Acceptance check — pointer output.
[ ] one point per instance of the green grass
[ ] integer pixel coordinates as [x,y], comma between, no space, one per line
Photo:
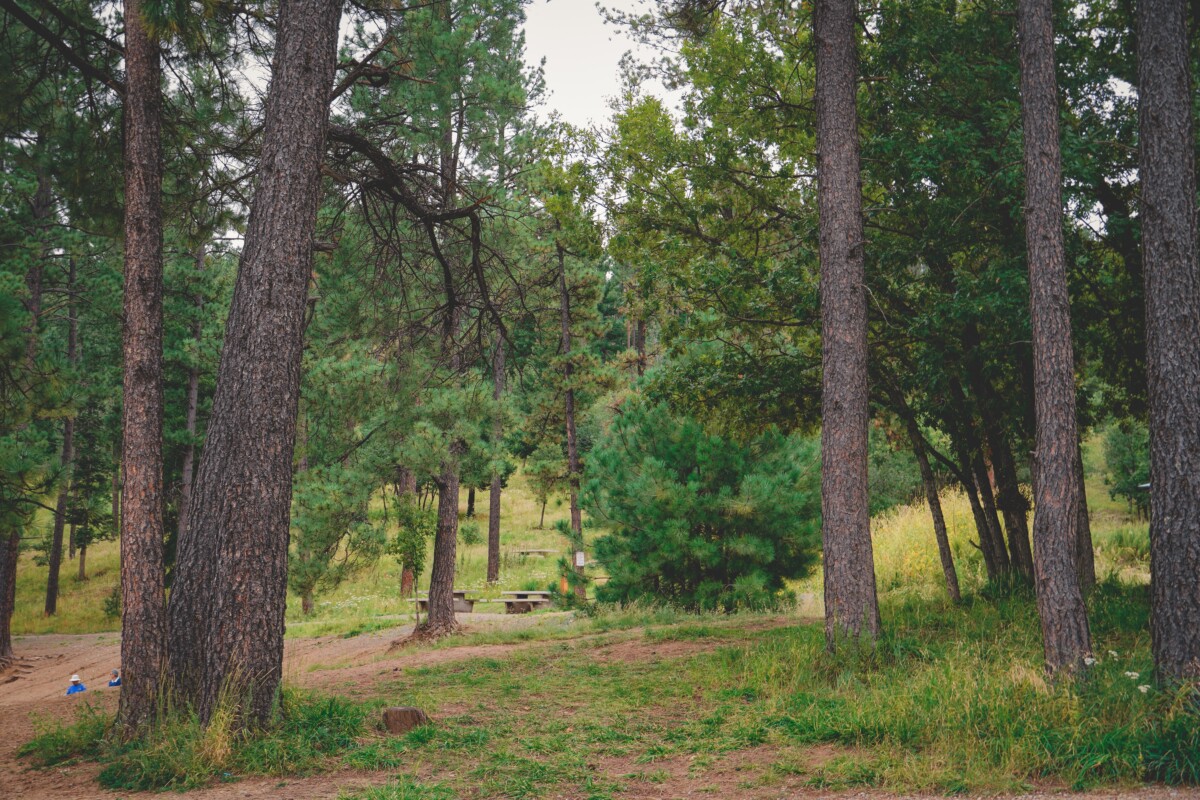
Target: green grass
[953,699]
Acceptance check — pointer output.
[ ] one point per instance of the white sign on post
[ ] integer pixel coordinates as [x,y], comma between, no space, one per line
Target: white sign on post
[580,559]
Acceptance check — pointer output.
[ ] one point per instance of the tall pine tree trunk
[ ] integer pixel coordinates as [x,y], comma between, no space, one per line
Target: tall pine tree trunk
[1168,173]
[229,594]
[498,377]
[143,619]
[67,457]
[1065,635]
[851,606]
[193,403]
[569,415]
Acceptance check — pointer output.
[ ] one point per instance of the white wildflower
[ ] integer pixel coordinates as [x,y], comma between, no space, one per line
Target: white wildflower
[1145,687]
[1133,676]
[1089,661]
[1112,653]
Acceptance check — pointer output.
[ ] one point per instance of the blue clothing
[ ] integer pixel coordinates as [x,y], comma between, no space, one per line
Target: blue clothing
[76,688]
[115,682]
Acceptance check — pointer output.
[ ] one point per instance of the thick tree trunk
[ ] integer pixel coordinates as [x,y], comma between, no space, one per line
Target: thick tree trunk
[569,414]
[66,459]
[193,403]
[498,379]
[440,620]
[1168,173]
[143,620]
[229,594]
[1065,634]
[851,606]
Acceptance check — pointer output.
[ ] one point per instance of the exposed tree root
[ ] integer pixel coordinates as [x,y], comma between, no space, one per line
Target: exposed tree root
[425,633]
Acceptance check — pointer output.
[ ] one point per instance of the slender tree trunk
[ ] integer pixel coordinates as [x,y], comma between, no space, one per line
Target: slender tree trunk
[983,487]
[1065,635]
[851,606]
[470,502]
[1085,554]
[116,488]
[498,379]
[143,621]
[929,483]
[639,345]
[66,459]
[542,518]
[1168,173]
[406,491]
[569,414]
[82,576]
[1009,500]
[193,403]
[229,594]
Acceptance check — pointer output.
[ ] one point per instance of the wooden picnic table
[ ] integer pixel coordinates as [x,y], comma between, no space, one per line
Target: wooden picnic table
[536,552]
[526,595]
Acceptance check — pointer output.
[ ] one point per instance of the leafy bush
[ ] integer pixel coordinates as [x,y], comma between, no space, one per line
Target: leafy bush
[698,520]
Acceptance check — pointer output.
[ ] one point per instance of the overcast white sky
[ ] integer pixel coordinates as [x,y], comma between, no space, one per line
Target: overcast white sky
[581,52]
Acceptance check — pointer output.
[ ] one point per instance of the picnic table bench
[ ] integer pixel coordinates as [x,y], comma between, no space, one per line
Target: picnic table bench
[536,552]
[462,604]
[523,605]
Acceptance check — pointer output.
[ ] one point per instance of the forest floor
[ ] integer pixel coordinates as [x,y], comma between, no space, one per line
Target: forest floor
[581,711]
[650,702]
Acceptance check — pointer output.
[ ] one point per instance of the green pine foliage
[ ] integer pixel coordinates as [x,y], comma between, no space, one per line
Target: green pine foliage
[1127,459]
[698,520]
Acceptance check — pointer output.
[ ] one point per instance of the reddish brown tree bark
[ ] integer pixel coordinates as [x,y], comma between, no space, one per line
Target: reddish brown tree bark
[1168,174]
[143,620]
[228,599]
[851,606]
[1065,635]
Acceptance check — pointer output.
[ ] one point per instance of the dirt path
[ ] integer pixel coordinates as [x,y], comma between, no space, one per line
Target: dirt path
[34,690]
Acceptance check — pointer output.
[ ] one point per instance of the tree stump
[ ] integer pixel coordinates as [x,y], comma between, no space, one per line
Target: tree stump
[402,719]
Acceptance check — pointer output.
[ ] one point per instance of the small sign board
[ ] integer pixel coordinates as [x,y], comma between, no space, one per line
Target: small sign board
[580,559]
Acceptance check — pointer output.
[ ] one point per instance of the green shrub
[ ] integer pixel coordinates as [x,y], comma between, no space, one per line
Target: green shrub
[1127,459]
[698,520]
